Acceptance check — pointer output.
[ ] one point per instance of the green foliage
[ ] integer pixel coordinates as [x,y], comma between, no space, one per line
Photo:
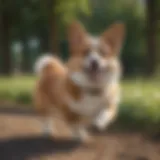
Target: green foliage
[23,97]
[35,13]
[25,16]
[69,9]
[140,105]
[16,89]
[132,13]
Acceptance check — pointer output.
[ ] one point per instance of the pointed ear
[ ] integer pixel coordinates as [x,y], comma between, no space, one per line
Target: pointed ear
[114,37]
[76,36]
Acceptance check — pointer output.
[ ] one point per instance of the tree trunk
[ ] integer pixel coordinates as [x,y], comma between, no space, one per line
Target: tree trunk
[151,37]
[26,68]
[5,43]
[43,44]
[53,28]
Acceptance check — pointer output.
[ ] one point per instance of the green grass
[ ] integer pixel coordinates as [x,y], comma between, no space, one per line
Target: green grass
[17,89]
[140,106]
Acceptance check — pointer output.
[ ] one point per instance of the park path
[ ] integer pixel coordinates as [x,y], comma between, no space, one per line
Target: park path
[21,139]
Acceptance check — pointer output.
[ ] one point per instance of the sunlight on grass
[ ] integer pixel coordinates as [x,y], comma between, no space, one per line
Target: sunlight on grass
[140,104]
[18,89]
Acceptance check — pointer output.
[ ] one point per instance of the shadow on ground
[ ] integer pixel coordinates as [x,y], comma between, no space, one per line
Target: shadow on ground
[27,147]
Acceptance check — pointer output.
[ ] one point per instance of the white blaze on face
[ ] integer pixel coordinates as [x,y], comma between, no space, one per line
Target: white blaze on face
[80,78]
[94,54]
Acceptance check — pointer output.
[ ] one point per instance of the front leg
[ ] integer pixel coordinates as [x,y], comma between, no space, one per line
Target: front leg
[105,117]
[80,132]
[48,126]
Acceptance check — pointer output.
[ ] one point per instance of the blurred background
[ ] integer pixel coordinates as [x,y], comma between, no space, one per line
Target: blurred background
[33,27]
[30,28]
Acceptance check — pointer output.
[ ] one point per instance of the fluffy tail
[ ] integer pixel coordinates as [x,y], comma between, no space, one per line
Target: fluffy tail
[48,63]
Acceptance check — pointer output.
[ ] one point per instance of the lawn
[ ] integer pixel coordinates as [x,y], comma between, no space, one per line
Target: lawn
[17,89]
[140,106]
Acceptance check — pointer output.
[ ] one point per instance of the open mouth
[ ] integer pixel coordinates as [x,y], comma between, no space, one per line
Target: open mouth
[94,75]
[94,72]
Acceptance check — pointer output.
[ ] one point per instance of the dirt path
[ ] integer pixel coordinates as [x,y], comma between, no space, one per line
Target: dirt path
[21,139]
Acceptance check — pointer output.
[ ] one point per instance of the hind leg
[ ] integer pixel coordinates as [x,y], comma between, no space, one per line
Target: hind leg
[45,121]
[47,126]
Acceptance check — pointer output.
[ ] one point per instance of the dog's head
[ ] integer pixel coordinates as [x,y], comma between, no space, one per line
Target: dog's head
[93,58]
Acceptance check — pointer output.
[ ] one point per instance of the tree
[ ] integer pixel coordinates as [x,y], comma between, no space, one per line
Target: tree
[10,12]
[5,23]
[151,37]
[63,11]
[131,13]
[47,15]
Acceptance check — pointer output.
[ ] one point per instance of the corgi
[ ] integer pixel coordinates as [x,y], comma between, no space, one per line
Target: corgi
[85,90]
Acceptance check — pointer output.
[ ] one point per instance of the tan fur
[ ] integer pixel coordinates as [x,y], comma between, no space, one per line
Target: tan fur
[55,85]
[51,89]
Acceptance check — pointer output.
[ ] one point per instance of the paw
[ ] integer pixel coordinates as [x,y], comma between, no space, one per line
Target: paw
[47,131]
[82,135]
[47,134]
[101,121]
[100,125]
[86,140]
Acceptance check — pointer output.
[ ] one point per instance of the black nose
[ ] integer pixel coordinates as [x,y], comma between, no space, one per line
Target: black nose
[94,65]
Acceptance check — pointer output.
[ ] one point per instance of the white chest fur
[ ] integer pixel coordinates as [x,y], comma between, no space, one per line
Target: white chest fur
[88,105]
